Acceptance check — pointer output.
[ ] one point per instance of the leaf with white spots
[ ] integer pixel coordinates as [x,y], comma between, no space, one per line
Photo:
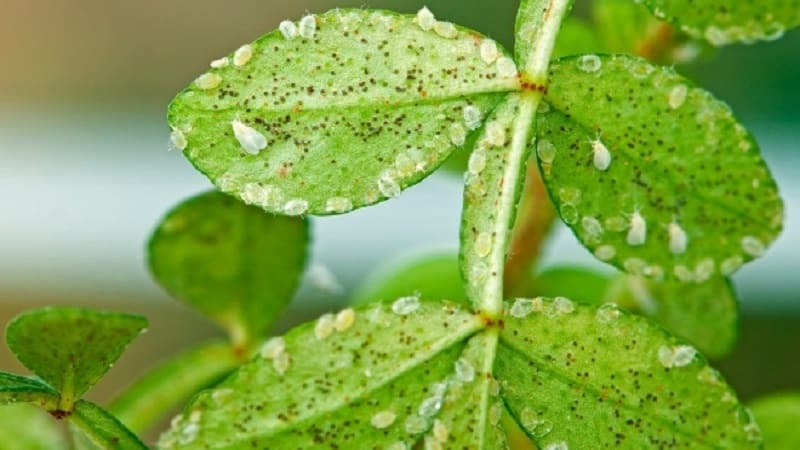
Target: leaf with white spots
[233,262]
[376,376]
[723,22]
[685,194]
[586,377]
[339,111]
[778,415]
[71,348]
[705,314]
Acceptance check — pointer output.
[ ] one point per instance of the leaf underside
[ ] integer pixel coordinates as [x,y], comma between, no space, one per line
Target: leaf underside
[71,348]
[594,378]
[723,22]
[233,262]
[369,97]
[676,156]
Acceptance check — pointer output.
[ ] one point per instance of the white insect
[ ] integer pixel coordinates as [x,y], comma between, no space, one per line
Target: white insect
[677,238]
[637,233]
[242,55]
[602,157]
[249,138]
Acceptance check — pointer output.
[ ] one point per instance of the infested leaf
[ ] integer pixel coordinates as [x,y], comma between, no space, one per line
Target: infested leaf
[652,174]
[723,22]
[586,377]
[71,348]
[529,24]
[234,263]
[339,111]
[375,376]
[778,415]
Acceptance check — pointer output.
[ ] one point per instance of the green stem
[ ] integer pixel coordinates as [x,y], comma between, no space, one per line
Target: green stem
[173,382]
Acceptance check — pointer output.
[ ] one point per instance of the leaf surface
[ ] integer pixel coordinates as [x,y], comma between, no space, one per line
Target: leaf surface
[236,264]
[28,427]
[71,348]
[723,22]
[338,111]
[652,174]
[375,376]
[778,415]
[587,377]
[103,429]
[19,389]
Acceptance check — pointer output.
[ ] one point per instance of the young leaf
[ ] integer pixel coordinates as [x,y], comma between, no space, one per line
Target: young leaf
[343,110]
[374,377]
[19,389]
[723,22]
[172,383]
[71,348]
[653,174]
[26,427]
[103,429]
[778,416]
[705,314]
[234,263]
[585,377]
[432,277]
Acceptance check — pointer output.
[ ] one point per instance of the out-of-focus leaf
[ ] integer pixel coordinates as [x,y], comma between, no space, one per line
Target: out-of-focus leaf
[583,285]
[71,348]
[103,429]
[585,377]
[577,37]
[339,111]
[654,175]
[779,417]
[27,427]
[233,262]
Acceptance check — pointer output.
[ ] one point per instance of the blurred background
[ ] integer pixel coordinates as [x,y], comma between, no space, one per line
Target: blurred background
[85,171]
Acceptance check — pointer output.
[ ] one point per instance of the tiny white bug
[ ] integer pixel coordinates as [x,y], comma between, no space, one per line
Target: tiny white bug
[677,238]
[637,234]
[602,157]
[250,139]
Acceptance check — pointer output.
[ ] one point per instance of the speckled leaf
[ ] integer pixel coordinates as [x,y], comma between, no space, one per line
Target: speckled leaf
[599,378]
[71,348]
[778,415]
[528,26]
[723,22]
[103,429]
[365,378]
[492,179]
[233,262]
[653,174]
[705,314]
[342,110]
[19,389]
[432,277]
[26,427]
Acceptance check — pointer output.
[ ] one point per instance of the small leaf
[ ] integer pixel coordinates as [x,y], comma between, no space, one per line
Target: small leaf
[723,22]
[705,314]
[432,277]
[103,429]
[71,348]
[26,427]
[19,389]
[653,175]
[577,283]
[600,378]
[366,378]
[778,416]
[172,383]
[234,263]
[344,110]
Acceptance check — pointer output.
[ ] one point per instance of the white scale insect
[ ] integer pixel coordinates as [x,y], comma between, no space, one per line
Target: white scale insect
[637,234]
[602,157]
[677,238]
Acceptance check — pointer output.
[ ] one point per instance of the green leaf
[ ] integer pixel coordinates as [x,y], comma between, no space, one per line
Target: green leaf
[778,416]
[26,427]
[343,110]
[71,348]
[576,37]
[173,383]
[577,283]
[432,277]
[234,263]
[374,377]
[705,314]
[652,174]
[19,389]
[723,22]
[103,429]
[600,378]
[530,23]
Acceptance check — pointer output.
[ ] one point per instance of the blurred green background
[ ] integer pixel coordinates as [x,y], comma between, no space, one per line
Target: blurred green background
[85,172]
